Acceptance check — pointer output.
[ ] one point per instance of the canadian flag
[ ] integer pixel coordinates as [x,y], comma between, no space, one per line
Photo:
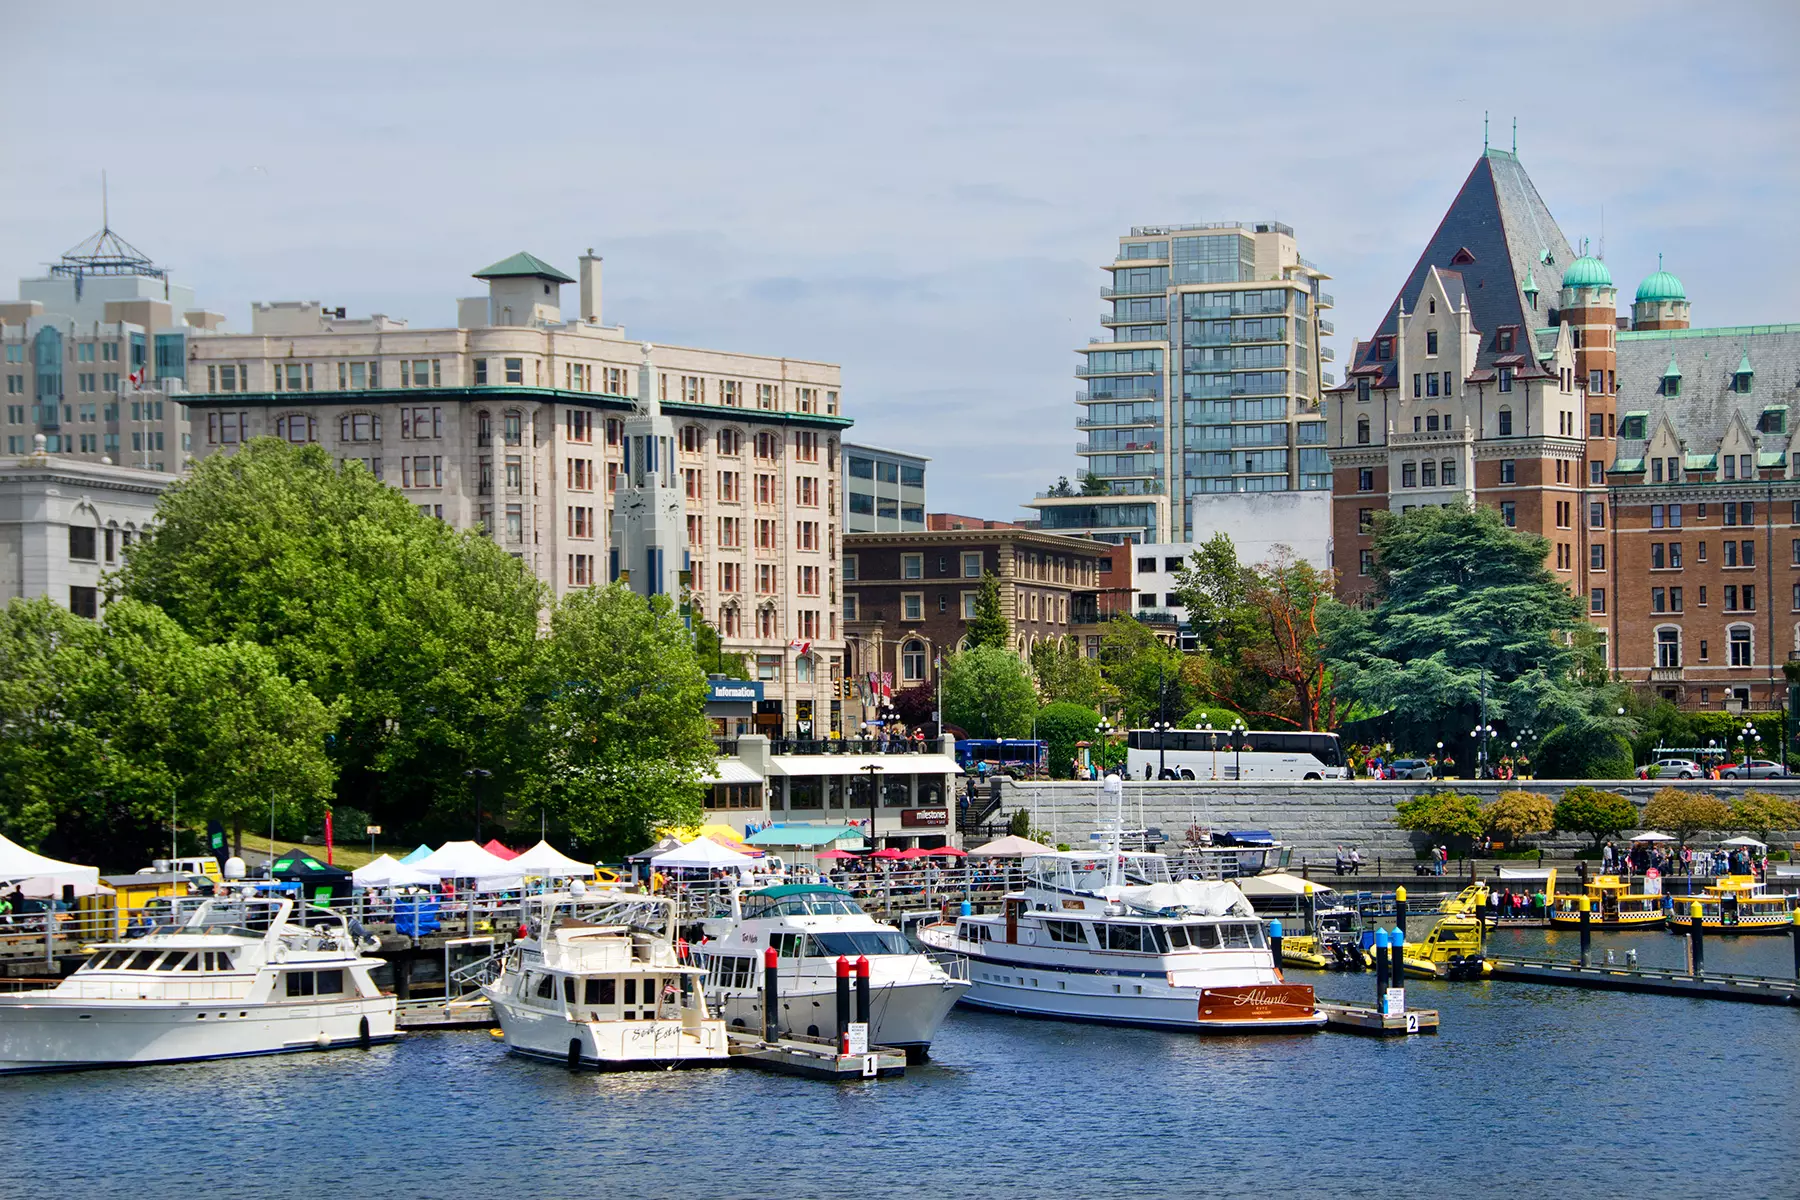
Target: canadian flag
[802,647]
[137,379]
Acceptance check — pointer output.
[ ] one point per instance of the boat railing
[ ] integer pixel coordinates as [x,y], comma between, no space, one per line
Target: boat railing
[483,971]
[159,988]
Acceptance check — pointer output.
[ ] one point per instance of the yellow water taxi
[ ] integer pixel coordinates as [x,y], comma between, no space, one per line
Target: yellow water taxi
[1453,948]
[1611,903]
[1734,904]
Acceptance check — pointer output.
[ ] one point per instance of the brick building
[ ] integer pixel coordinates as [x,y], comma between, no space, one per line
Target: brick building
[1504,375]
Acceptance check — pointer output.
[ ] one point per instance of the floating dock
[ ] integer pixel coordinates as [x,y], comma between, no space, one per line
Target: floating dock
[815,1060]
[1708,985]
[471,1013]
[1351,1018]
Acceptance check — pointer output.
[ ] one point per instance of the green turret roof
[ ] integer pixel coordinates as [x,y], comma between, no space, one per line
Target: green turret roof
[1531,287]
[1660,286]
[1587,272]
[526,265]
[1673,370]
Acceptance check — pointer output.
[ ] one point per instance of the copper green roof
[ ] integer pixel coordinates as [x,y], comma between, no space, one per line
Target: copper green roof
[1587,271]
[1659,287]
[1744,364]
[1673,371]
[1531,287]
[523,264]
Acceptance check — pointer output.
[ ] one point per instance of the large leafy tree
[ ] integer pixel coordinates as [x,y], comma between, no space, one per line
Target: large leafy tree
[1465,606]
[1597,813]
[620,734]
[1762,813]
[988,627]
[1517,814]
[1685,813]
[420,638]
[116,729]
[1065,675]
[1449,815]
[1064,726]
[1147,673]
[987,693]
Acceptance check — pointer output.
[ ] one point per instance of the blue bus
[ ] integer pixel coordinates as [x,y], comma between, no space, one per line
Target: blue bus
[1003,754]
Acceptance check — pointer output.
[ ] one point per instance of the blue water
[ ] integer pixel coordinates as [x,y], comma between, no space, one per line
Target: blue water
[1527,1090]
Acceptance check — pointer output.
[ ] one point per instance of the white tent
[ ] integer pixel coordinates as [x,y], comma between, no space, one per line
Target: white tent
[466,860]
[1010,846]
[546,861]
[1749,842]
[47,887]
[1277,883]
[16,862]
[1652,836]
[700,854]
[387,871]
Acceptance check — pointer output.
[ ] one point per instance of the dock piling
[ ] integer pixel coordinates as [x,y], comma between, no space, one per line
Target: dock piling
[771,996]
[1587,934]
[843,1004]
[1697,956]
[1797,943]
[1275,942]
[1400,909]
[864,1009]
[1397,971]
[1381,969]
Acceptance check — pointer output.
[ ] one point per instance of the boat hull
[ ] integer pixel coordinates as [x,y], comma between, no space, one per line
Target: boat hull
[1712,924]
[1643,920]
[39,1035]
[608,1045]
[1039,991]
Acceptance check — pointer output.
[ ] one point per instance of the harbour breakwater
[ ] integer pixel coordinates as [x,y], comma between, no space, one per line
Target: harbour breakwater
[1317,817]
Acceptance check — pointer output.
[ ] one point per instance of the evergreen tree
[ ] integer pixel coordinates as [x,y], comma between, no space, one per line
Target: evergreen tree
[988,627]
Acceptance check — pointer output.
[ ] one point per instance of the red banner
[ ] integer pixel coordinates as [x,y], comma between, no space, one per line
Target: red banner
[328,837]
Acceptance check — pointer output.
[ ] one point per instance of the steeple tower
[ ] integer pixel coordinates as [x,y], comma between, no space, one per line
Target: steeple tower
[647,536]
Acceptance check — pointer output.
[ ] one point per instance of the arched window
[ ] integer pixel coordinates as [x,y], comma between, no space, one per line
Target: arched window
[1742,648]
[298,428]
[768,445]
[912,661]
[359,427]
[693,439]
[1668,646]
[514,427]
[1504,416]
[1362,431]
[731,442]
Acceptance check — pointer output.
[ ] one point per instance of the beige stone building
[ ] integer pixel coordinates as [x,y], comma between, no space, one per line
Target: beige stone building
[512,421]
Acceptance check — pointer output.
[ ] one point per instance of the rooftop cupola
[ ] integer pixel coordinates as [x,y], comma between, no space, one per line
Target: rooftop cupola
[524,290]
[1661,302]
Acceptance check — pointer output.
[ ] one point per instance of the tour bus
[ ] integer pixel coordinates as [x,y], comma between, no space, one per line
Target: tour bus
[1216,754]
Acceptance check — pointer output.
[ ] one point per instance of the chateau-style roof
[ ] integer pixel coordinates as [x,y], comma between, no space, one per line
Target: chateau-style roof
[1707,362]
[1495,236]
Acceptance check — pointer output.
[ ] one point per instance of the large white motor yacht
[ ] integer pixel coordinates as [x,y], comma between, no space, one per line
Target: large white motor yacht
[223,977]
[811,927]
[1108,936]
[605,989]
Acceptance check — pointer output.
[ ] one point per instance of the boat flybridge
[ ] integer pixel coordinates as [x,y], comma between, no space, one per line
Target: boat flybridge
[1109,936]
[603,986]
[217,977]
[813,927]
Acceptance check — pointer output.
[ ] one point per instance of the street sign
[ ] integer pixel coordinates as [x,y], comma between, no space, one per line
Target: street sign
[371,830]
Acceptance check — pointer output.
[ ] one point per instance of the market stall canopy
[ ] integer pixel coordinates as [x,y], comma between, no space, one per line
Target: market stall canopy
[803,836]
[889,853]
[388,871]
[1652,836]
[417,856]
[663,845]
[466,860]
[701,854]
[729,770]
[1277,883]
[544,859]
[1531,874]
[1744,841]
[1010,846]
[16,862]
[299,866]
[858,764]
[50,887]
[494,848]
[824,854]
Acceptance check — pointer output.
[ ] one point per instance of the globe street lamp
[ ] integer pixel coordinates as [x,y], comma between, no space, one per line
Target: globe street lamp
[1212,742]
[1481,733]
[1162,746]
[1437,768]
[1238,734]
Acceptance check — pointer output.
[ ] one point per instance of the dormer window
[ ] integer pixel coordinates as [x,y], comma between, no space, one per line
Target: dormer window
[1431,340]
[1772,420]
[1504,344]
[1506,379]
[1740,383]
[1384,349]
[1362,388]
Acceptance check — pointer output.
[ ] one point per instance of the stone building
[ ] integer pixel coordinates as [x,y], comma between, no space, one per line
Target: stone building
[1503,374]
[513,421]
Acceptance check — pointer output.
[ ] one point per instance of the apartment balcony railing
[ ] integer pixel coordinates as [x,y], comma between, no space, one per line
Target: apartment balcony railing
[1091,447]
[1327,328]
[1139,319]
[1327,354]
[1084,371]
[1665,674]
[1117,422]
[1149,389]
[1326,300]
[1116,293]
[1434,437]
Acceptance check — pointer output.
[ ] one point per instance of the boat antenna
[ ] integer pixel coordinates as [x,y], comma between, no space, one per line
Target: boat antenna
[1113,788]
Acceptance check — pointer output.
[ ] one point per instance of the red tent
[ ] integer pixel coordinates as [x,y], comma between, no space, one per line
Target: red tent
[834,854]
[498,851]
[890,853]
[940,852]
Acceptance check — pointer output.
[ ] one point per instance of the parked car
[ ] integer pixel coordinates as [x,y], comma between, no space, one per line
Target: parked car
[1756,768]
[1409,768]
[1672,768]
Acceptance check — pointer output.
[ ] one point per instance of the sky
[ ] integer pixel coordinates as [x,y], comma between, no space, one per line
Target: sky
[923,194]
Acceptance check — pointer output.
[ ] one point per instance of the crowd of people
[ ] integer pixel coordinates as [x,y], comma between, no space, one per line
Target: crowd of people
[1642,857]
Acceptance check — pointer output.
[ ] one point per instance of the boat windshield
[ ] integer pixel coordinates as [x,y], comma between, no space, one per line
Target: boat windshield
[802,904]
[1091,872]
[858,942]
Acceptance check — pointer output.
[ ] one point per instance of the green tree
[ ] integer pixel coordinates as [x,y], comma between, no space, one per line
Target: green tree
[1685,813]
[620,728]
[1062,725]
[1513,815]
[1144,671]
[418,637]
[1093,485]
[1065,675]
[1463,604]
[988,627]
[1762,813]
[709,648]
[1452,816]
[1599,814]
[987,693]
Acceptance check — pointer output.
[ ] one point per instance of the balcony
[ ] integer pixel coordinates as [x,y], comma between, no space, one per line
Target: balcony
[1326,328]
[1665,674]
[1118,293]
[1091,447]
[1325,300]
[1433,437]
[1151,389]
[1117,422]
[1139,319]
[1084,372]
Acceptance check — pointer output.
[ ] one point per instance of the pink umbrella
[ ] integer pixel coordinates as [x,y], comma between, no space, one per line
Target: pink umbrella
[944,851]
[835,854]
[889,853]
[498,851]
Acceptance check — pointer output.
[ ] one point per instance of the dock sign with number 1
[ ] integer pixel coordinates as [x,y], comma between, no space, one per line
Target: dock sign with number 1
[858,1034]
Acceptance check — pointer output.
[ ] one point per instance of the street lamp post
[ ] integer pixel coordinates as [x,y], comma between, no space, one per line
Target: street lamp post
[1212,742]
[1481,733]
[475,775]
[1437,768]
[874,795]
[1162,746]
[1238,734]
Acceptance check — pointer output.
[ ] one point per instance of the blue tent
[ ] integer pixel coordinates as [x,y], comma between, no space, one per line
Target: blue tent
[423,851]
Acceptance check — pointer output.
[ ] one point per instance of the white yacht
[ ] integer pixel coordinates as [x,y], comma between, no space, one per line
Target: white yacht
[1108,936]
[222,977]
[811,927]
[605,989]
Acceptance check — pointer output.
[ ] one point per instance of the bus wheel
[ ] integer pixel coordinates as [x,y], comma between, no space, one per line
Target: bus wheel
[1312,775]
[1186,774]
[1168,773]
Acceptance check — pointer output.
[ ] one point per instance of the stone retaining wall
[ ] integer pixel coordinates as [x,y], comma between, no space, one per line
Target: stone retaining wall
[1317,817]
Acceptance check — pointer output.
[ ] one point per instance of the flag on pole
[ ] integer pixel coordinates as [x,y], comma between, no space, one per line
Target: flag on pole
[137,379]
[802,647]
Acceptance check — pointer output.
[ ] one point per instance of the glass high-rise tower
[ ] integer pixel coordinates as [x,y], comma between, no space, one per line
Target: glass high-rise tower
[1206,382]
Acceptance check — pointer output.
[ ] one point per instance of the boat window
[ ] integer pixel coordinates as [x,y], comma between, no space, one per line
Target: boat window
[1123,937]
[299,983]
[650,992]
[97,962]
[116,960]
[331,983]
[568,989]
[1205,937]
[1156,939]
[546,987]
[858,942]
[787,945]
[1067,932]
[821,903]
[1178,938]
[143,960]
[172,960]
[1237,935]
[191,962]
[590,992]
[631,991]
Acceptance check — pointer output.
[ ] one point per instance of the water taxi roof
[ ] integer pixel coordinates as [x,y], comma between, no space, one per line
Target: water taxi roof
[799,889]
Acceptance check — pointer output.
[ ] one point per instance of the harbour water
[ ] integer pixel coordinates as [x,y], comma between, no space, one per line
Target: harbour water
[1527,1091]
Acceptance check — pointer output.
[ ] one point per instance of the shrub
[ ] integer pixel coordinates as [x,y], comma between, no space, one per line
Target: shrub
[1685,813]
[1594,812]
[1448,815]
[1514,814]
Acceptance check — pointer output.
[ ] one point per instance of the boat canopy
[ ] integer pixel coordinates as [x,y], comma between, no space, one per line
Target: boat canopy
[1212,898]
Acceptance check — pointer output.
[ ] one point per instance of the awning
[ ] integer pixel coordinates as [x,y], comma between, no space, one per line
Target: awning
[1279,884]
[857,764]
[730,770]
[802,835]
[16,862]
